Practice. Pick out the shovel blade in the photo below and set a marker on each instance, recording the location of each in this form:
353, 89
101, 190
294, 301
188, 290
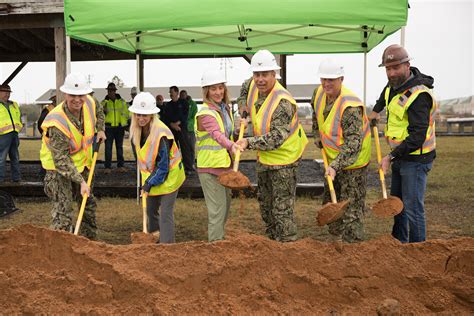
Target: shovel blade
331, 212
235, 180
390, 206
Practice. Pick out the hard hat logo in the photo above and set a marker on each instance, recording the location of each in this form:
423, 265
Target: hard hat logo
394, 55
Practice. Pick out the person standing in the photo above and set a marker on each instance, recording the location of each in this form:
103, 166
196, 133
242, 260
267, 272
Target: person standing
116, 122
160, 102
133, 94
214, 127
191, 118
279, 140
66, 154
176, 117
10, 126
159, 161
341, 129
410, 132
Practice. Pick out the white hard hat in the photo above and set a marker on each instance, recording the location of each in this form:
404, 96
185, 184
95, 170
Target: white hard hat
263, 60
76, 84
144, 103
329, 69
212, 76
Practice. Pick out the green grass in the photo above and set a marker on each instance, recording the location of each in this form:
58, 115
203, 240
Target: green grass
449, 200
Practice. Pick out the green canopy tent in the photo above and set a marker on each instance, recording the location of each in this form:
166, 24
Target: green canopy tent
234, 27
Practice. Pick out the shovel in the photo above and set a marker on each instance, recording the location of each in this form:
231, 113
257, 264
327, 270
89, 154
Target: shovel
332, 211
145, 217
392, 205
89, 182
235, 179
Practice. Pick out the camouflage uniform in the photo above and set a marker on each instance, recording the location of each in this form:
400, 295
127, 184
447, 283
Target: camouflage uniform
349, 184
276, 184
63, 185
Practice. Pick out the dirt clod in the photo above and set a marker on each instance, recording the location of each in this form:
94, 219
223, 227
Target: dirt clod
389, 307
331, 212
234, 180
143, 238
390, 206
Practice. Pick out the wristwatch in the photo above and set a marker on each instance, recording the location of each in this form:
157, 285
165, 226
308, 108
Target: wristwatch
391, 156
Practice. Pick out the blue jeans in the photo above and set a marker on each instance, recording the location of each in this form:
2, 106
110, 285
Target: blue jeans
409, 184
9, 144
117, 134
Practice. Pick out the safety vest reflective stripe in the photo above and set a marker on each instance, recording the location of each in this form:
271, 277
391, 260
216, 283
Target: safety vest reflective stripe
117, 112
147, 161
330, 127
210, 154
396, 128
252, 97
80, 145
10, 118
333, 140
146, 157
293, 147
63, 126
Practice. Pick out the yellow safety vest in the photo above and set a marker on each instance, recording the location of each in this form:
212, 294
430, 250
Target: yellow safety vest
146, 157
396, 129
116, 112
10, 118
330, 128
80, 145
210, 154
293, 147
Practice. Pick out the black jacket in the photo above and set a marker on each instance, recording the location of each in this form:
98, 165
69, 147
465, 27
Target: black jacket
418, 118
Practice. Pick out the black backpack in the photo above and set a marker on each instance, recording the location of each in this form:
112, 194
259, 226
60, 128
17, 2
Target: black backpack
7, 206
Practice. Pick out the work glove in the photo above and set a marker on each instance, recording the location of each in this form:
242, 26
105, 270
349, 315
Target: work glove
146, 187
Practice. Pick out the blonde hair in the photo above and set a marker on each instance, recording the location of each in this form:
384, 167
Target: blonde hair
136, 130
205, 95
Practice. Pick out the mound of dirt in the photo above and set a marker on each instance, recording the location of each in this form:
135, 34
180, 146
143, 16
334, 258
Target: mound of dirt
44, 271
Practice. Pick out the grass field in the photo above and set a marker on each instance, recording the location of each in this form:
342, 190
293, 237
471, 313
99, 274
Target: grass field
449, 200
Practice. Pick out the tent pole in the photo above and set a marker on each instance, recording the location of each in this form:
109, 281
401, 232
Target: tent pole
365, 78
139, 90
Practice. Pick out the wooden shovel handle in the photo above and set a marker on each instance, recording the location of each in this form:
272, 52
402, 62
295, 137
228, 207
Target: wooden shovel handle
145, 217
379, 159
89, 183
237, 155
328, 178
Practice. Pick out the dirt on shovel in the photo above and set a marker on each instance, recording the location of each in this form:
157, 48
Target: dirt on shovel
235, 180
331, 212
390, 206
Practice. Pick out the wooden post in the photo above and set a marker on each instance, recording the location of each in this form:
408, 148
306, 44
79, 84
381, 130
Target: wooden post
60, 57
281, 60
